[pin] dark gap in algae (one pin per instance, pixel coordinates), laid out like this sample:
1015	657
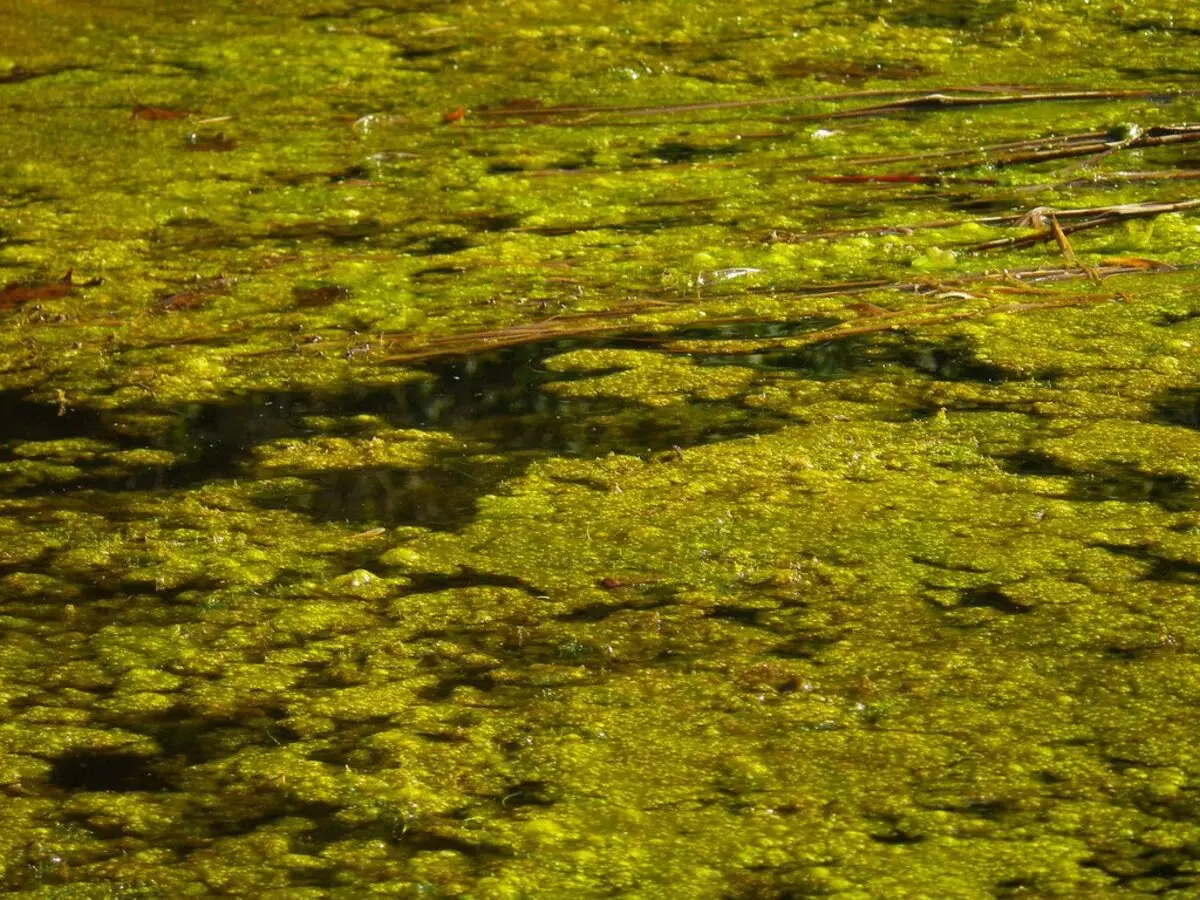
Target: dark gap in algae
1178	407
1159	73
197	233
746	331
682	151
1172	493
442	495
1165	25
194	740
660	597
22	419
898	838
531	642
480	680
431	583
526	793
947	567
1162	568
635	226
991	597
88	770
954	360
804	646
742	615
947	14
443	737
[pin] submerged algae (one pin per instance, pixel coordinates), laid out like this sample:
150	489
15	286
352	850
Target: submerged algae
909	612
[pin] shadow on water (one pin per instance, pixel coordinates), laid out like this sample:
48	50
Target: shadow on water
944	14
1178	407
1172	493
495	405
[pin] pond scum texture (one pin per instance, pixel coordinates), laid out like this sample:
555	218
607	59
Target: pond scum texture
618	449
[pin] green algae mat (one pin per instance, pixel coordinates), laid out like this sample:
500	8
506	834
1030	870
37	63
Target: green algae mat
617	449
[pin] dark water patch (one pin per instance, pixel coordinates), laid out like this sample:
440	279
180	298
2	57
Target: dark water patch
404	836
1141	861
7	239
435	271
481	680
989	810
1167	319
1161	567
490	222
848	71
1160	73
424	51
22	419
19	197
84	770
1105	482
439	245
433	582
430	842
351	173
494	403
980	206
321	295
501	408
650	596
938	564
804	646
954	360
193	741
825	361
1178	407
949	13
682	151
742	615
21	74
526	793
441	495
209	142
598	612
443	737
197	233
499	399
1128	652
293	178
336	233
897	838
635	226
992	597
506	168
1030	462
736	331
1164	25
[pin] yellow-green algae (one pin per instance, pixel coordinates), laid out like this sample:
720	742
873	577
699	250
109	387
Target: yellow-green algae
921	624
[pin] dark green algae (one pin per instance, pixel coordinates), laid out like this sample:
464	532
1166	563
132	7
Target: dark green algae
910	613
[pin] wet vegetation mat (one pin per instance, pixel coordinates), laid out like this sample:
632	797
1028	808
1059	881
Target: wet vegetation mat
661	450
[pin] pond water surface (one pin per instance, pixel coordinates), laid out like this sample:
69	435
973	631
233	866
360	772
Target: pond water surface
599	449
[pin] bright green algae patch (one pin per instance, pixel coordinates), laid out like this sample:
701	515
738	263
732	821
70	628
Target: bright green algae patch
701	606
